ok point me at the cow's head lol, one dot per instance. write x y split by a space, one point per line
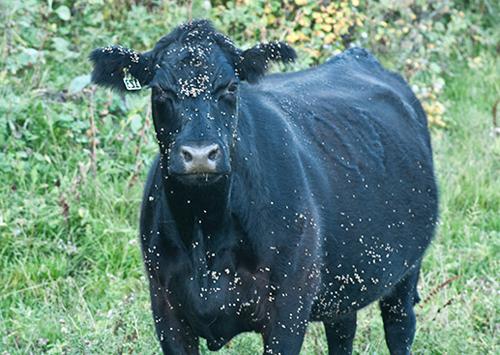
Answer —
194 73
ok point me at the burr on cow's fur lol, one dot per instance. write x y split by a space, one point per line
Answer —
279 199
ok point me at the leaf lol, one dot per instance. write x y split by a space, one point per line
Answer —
78 83
28 57
63 13
435 68
135 123
60 44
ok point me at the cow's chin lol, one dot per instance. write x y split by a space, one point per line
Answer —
200 179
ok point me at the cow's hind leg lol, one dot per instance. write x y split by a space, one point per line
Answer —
398 315
340 334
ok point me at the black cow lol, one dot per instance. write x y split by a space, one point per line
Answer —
298 197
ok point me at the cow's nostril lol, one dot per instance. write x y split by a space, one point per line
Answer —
186 155
213 153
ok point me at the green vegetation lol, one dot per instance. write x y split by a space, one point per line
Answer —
71 275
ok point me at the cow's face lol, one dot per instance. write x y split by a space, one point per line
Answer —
195 111
194 73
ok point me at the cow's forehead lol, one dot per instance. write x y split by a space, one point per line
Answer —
192 69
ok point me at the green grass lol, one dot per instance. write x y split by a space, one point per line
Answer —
71 276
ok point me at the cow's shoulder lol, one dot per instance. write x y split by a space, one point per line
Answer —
359 74
355 54
359 67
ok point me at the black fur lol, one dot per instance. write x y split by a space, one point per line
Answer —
255 61
323 199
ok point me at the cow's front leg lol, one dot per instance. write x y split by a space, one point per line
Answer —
288 319
175 334
285 337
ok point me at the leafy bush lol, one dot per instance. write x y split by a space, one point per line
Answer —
416 37
421 37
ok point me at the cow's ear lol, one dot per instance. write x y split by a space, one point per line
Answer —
121 68
255 61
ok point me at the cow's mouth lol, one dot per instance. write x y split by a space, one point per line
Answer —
199 179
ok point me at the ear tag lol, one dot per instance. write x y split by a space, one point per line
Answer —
130 82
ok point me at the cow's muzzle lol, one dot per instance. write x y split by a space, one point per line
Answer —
200 159
198 164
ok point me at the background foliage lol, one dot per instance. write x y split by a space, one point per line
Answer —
72 162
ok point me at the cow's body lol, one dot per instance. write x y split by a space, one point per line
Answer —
330 205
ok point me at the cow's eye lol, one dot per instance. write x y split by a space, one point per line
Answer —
231 89
164 95
227 91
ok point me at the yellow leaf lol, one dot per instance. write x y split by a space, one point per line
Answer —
329 38
320 34
326 28
304 22
292 37
302 37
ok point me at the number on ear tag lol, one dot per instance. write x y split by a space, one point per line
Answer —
130 82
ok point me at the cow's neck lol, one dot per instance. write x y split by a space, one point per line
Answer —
205 205
225 214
